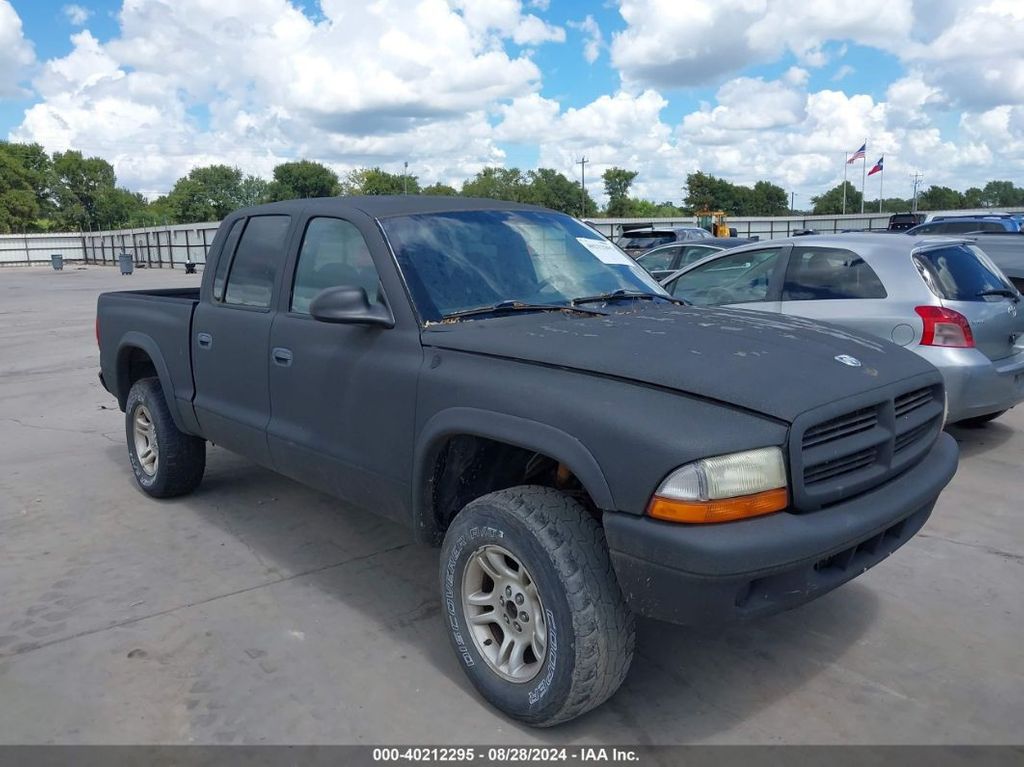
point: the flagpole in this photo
(881, 175)
(863, 175)
(846, 164)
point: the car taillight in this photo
(945, 327)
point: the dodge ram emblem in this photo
(846, 359)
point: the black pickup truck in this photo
(514, 388)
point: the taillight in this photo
(945, 327)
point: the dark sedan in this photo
(666, 259)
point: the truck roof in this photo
(381, 206)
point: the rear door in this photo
(749, 279)
(837, 285)
(966, 281)
(231, 337)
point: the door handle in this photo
(205, 340)
(282, 356)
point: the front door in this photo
(342, 396)
(231, 337)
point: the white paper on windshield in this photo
(605, 251)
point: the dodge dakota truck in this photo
(583, 447)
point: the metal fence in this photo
(172, 247)
(161, 247)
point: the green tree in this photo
(940, 198)
(616, 186)
(119, 207)
(302, 179)
(637, 208)
(497, 184)
(767, 199)
(831, 202)
(440, 190)
(253, 190)
(973, 198)
(706, 191)
(375, 181)
(551, 189)
(78, 185)
(206, 194)
(1002, 194)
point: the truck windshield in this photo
(463, 260)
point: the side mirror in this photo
(349, 305)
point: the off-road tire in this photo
(181, 457)
(591, 633)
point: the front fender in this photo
(513, 430)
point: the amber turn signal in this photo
(721, 510)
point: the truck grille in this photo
(834, 456)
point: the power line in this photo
(916, 177)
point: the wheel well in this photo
(133, 365)
(467, 467)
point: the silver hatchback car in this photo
(941, 297)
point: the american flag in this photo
(859, 154)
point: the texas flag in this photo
(878, 166)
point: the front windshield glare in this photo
(464, 260)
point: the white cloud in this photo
(16, 53)
(671, 44)
(593, 40)
(186, 83)
(76, 14)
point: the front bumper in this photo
(692, 574)
(975, 385)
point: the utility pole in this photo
(916, 177)
(792, 202)
(583, 186)
(405, 178)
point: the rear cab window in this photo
(253, 271)
(961, 273)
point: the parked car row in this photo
(941, 297)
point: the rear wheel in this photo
(165, 461)
(981, 420)
(533, 609)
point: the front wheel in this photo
(165, 461)
(532, 606)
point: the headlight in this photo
(723, 488)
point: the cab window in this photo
(333, 253)
(254, 269)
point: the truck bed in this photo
(156, 320)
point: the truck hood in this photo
(769, 363)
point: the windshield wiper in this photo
(623, 293)
(1000, 292)
(518, 306)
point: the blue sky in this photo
(737, 88)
